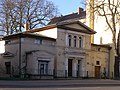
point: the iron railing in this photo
(51, 73)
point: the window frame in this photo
(97, 62)
(70, 40)
(75, 41)
(8, 67)
(81, 42)
(43, 70)
(38, 41)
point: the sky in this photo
(68, 6)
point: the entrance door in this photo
(8, 67)
(69, 67)
(97, 71)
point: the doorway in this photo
(70, 67)
(97, 72)
(8, 67)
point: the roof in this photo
(74, 21)
(79, 16)
(62, 21)
(62, 25)
(102, 45)
(24, 34)
(7, 54)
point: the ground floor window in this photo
(8, 67)
(43, 67)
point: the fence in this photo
(50, 74)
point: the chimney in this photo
(26, 26)
(80, 10)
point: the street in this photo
(61, 85)
(79, 88)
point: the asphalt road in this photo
(78, 88)
(61, 85)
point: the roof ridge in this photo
(67, 17)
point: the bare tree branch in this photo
(15, 13)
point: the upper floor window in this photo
(98, 49)
(38, 41)
(97, 62)
(75, 41)
(7, 42)
(80, 41)
(69, 40)
(22, 39)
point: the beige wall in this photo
(102, 29)
(49, 33)
(14, 60)
(101, 54)
(45, 50)
(64, 52)
(57, 53)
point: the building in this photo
(100, 60)
(35, 51)
(97, 21)
(27, 53)
(72, 45)
(62, 48)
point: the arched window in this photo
(75, 41)
(69, 40)
(80, 42)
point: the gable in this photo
(76, 26)
(73, 25)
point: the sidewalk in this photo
(60, 83)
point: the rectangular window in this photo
(7, 42)
(8, 67)
(22, 39)
(97, 62)
(80, 42)
(43, 67)
(69, 40)
(38, 41)
(75, 41)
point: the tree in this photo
(15, 13)
(110, 10)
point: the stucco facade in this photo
(97, 21)
(73, 44)
(100, 61)
(62, 50)
(30, 53)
